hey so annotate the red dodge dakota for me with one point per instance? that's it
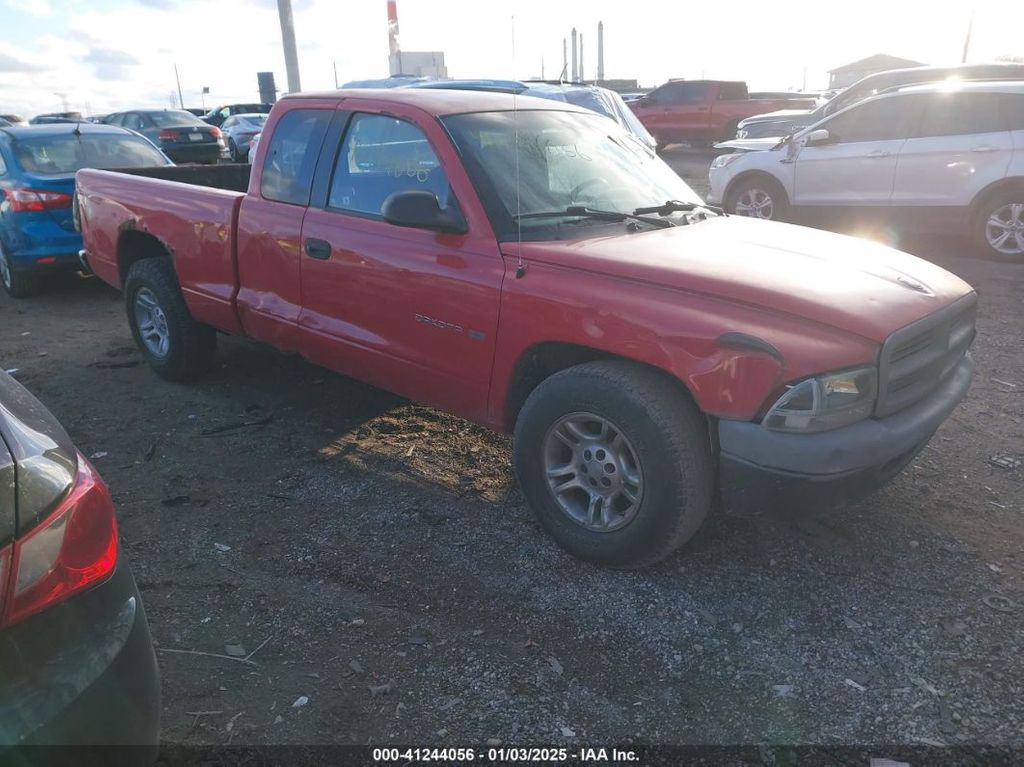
(527, 265)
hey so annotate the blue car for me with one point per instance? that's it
(37, 186)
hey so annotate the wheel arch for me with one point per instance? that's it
(542, 360)
(134, 246)
(751, 174)
(993, 189)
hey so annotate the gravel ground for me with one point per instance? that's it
(375, 562)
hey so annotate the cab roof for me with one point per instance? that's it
(441, 101)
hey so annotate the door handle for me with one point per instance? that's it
(320, 249)
(878, 153)
(985, 149)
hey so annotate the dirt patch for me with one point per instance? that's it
(377, 559)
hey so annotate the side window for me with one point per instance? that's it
(732, 92)
(958, 114)
(693, 93)
(113, 119)
(224, 113)
(291, 157)
(133, 121)
(1013, 111)
(880, 120)
(3, 166)
(380, 156)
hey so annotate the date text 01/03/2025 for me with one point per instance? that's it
(503, 754)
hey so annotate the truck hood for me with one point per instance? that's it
(781, 114)
(854, 285)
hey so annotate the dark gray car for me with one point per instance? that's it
(76, 659)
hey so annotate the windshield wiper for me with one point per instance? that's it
(676, 206)
(600, 215)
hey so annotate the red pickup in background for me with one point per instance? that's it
(701, 112)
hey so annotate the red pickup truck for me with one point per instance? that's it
(525, 264)
(701, 112)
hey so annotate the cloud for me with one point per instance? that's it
(13, 64)
(39, 8)
(160, 5)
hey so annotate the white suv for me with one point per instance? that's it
(931, 156)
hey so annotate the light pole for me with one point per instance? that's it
(291, 54)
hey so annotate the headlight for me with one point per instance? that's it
(825, 402)
(724, 159)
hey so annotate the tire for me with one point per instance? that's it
(233, 150)
(745, 196)
(186, 348)
(17, 284)
(664, 444)
(1008, 208)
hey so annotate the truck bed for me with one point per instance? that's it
(190, 211)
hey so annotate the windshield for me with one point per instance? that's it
(564, 159)
(174, 117)
(254, 120)
(60, 155)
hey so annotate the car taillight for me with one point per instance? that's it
(36, 200)
(169, 135)
(73, 549)
(215, 132)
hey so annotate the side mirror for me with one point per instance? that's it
(820, 136)
(420, 209)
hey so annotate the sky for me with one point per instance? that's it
(98, 56)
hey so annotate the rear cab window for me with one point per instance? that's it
(291, 156)
(379, 156)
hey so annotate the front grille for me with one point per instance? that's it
(916, 359)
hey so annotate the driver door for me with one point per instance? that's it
(412, 310)
(856, 165)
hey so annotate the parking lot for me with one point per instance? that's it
(322, 562)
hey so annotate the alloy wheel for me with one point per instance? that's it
(593, 472)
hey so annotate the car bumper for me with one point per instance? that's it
(83, 673)
(206, 153)
(761, 468)
(717, 183)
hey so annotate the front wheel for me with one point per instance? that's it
(176, 346)
(758, 197)
(614, 459)
(999, 226)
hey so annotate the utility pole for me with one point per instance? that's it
(291, 54)
(181, 100)
(600, 52)
(335, 75)
(575, 60)
(967, 40)
(565, 62)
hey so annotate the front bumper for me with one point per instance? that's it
(762, 468)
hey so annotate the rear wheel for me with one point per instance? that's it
(17, 284)
(233, 149)
(615, 462)
(176, 346)
(999, 225)
(758, 197)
